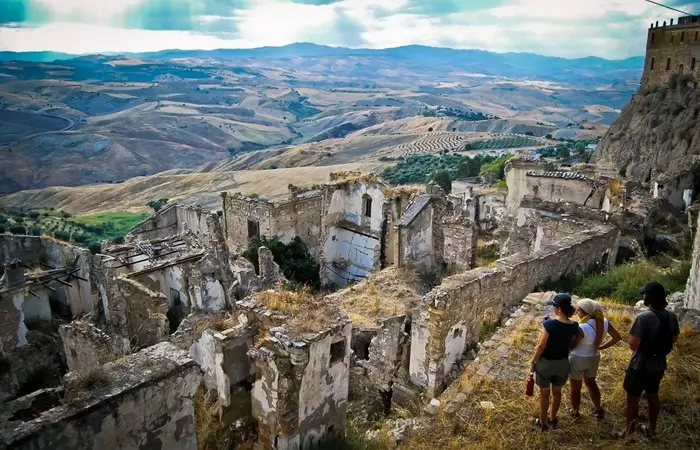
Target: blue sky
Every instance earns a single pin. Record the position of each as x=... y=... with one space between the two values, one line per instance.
x=569 y=28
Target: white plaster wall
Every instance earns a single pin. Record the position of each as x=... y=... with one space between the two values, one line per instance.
x=191 y=219
x=316 y=385
x=348 y=203
x=454 y=345
x=693 y=287
x=18 y=301
x=492 y=207
x=211 y=296
x=357 y=253
x=265 y=394
x=37 y=308
x=203 y=352
x=174 y=279
x=420 y=335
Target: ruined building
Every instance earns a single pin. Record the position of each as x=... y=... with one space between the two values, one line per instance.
x=672 y=49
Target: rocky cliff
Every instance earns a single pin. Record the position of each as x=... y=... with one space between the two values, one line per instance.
x=657 y=133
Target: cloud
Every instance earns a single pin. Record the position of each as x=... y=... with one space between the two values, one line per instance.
x=608 y=28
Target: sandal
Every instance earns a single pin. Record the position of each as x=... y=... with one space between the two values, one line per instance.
x=553 y=422
x=575 y=414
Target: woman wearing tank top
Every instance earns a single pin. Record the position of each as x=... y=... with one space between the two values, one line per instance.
x=585 y=357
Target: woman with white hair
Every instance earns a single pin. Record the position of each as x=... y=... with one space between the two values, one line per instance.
x=585 y=357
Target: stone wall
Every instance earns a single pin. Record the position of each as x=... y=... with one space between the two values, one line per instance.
x=461 y=236
x=529 y=179
x=447 y=321
x=146 y=312
x=245 y=218
x=144 y=401
x=693 y=288
x=671 y=50
x=171 y=221
x=86 y=346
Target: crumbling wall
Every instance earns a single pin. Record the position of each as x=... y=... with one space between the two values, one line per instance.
x=349 y=256
x=461 y=236
x=693 y=288
x=29 y=360
x=46 y=253
x=298 y=216
x=526 y=178
x=86 y=346
x=491 y=209
x=170 y=221
x=146 y=313
x=417 y=239
x=301 y=388
x=144 y=400
x=448 y=319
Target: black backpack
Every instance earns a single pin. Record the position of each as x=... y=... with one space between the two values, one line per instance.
x=662 y=343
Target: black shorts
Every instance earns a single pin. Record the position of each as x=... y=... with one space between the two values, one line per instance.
x=638 y=381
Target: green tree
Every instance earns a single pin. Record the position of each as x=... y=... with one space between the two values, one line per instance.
x=294 y=259
x=563 y=152
x=442 y=178
x=157 y=205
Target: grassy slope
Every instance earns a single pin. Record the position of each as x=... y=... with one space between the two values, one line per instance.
x=507 y=425
x=123 y=222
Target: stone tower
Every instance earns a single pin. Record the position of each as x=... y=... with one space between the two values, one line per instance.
x=672 y=49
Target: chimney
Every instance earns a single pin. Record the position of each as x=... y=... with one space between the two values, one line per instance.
x=14 y=272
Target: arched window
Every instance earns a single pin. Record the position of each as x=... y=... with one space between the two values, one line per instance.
x=682 y=37
x=652 y=63
x=653 y=35
x=367 y=205
x=668 y=64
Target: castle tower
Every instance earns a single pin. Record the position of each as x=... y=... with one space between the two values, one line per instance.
x=672 y=49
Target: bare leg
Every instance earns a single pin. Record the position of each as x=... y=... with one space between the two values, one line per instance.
x=556 y=401
x=544 y=404
x=594 y=392
x=576 y=386
x=654 y=409
x=632 y=413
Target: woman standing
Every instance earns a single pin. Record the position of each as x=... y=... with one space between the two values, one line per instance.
x=550 y=363
x=585 y=357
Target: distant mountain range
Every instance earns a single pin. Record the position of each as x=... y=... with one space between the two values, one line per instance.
x=479 y=61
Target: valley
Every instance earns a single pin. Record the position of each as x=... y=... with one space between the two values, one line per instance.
x=108 y=119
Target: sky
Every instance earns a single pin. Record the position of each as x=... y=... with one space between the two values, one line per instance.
x=612 y=29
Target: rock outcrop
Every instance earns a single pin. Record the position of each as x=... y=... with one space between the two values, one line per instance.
x=656 y=133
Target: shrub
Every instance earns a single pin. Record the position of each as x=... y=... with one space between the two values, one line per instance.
x=294 y=259
x=2 y=229
x=35 y=231
x=442 y=178
x=95 y=247
x=34 y=214
x=157 y=205
x=18 y=229
x=118 y=240
x=623 y=282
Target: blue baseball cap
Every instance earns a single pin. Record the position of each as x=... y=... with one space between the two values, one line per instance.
x=560 y=300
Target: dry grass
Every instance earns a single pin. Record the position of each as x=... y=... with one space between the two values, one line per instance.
x=385 y=295
x=211 y=433
x=507 y=425
x=347 y=177
x=403 y=190
x=309 y=313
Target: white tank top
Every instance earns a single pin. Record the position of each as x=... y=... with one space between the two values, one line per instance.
x=585 y=346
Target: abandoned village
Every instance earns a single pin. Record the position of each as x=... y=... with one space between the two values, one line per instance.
x=129 y=348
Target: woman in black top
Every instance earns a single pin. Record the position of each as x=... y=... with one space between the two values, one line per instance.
x=550 y=363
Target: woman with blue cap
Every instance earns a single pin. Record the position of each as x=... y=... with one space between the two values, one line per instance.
x=550 y=363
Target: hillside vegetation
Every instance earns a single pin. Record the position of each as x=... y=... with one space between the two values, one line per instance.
x=656 y=133
x=85 y=231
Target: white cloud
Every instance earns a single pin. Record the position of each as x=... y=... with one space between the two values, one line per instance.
x=571 y=28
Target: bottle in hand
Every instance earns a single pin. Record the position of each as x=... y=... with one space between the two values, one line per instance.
x=530 y=385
